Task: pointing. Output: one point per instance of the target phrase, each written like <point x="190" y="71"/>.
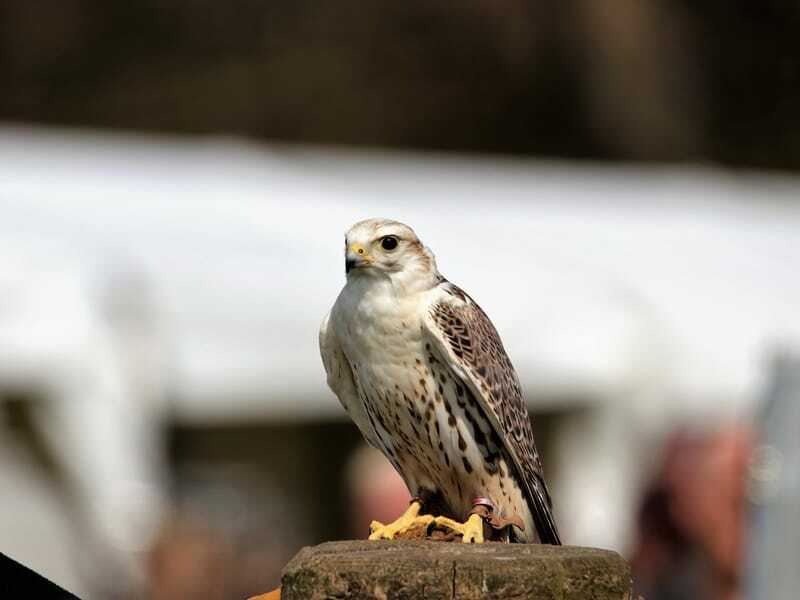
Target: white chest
<point x="382" y="338"/>
<point x="378" y="331"/>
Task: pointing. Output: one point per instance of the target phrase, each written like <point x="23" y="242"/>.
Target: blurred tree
<point x="634" y="80"/>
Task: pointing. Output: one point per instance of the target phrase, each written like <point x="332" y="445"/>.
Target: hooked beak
<point x="356" y="257"/>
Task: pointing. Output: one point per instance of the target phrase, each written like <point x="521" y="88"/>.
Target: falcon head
<point x="388" y="248"/>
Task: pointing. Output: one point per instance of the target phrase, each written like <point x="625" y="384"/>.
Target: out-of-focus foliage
<point x="633" y="79"/>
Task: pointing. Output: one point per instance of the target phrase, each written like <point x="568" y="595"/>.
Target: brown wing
<point x="464" y="334"/>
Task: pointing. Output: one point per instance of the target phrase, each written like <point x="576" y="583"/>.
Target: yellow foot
<point x="471" y="530"/>
<point x="408" y="520"/>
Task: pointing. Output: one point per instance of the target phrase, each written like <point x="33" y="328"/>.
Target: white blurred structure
<point x="81" y="341"/>
<point x="646" y="296"/>
<point x="775" y="489"/>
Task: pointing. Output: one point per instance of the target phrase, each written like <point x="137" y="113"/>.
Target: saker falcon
<point x="421" y="370"/>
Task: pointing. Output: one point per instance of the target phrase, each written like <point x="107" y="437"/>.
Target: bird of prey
<point x="421" y="370"/>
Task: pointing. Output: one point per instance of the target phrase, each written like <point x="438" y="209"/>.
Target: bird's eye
<point x="389" y="242"/>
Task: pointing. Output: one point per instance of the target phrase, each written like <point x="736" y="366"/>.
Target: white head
<point x="384" y="249"/>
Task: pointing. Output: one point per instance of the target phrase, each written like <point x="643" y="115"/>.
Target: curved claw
<point x="471" y="531"/>
<point x="408" y="520"/>
<point x="376" y="530"/>
<point x="379" y="531"/>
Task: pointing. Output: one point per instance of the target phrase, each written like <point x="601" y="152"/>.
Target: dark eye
<point x="389" y="242"/>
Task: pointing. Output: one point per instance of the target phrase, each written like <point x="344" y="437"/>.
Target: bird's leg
<point x="409" y="519"/>
<point x="472" y="529"/>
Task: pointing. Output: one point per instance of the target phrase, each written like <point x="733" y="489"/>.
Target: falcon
<point x="422" y="372"/>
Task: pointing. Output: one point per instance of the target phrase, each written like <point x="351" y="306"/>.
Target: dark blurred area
<point x="715" y="82"/>
<point x="175" y="176"/>
<point x="691" y="520"/>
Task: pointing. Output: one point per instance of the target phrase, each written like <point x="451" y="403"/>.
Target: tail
<point x="542" y="511"/>
<point x="546" y="528"/>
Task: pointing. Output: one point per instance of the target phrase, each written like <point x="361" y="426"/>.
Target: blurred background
<point x="175" y="180"/>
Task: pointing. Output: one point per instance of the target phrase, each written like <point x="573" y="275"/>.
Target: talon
<point x="375" y="527"/>
<point x="408" y="520"/>
<point x="471" y="531"/>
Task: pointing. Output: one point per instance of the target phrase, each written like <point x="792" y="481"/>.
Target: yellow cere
<point x="361" y="251"/>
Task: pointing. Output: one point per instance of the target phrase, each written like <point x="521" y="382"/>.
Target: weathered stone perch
<point x="417" y="570"/>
